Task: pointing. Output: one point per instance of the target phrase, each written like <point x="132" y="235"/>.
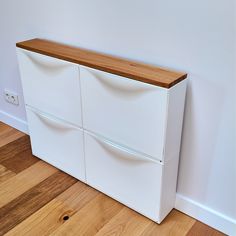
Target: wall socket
<point x="11" y="97"/>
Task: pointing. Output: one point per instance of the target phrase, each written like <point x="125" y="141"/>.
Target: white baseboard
<point x="14" y="122"/>
<point x="206" y="215"/>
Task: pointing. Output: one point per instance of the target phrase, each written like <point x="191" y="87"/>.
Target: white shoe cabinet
<point x="111" y="123"/>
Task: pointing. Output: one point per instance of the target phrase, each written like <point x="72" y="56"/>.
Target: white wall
<point x="192" y="36"/>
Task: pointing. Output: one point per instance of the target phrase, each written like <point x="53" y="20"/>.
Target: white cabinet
<point x="117" y="134"/>
<point x="51" y="85"/>
<point x="57" y="142"/>
<point x="126" y="111"/>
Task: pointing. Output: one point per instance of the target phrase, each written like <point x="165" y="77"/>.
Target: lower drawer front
<point x="128" y="177"/>
<point x="57" y="143"/>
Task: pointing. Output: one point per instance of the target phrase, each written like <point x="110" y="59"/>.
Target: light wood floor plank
<point x="77" y="196"/>
<point x="176" y="224"/>
<point x="126" y="223"/>
<point x="5" y="174"/>
<point x="91" y="218"/>
<point x="25" y="180"/>
<point x="3" y="127"/>
<point x="50" y="217"/>
<point x="8" y="134"/>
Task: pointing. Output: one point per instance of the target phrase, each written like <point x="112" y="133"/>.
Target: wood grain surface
<point x="127" y="68"/>
<point x="38" y="199"/>
<point x="8" y="134"/>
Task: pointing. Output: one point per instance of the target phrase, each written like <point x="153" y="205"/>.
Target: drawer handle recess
<point x="119" y="86"/>
<point x="53" y="123"/>
<point x="121" y="151"/>
<point x="48" y="63"/>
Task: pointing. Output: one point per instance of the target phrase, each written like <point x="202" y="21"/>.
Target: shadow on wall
<point x="200" y="148"/>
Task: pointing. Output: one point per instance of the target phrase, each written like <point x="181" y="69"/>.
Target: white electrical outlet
<point x="11" y="97"/>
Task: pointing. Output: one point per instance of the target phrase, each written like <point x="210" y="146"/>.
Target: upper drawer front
<point x="51" y="85"/>
<point x="128" y="112"/>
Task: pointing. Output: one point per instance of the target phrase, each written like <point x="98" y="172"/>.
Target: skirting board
<point x="206" y="215"/>
<point x="14" y="122"/>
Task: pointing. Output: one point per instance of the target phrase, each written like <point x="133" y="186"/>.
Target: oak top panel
<point x="127" y="68"/>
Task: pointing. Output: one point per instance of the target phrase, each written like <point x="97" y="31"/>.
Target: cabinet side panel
<point x="172" y="147"/>
<point x="168" y="186"/>
<point x="175" y="113"/>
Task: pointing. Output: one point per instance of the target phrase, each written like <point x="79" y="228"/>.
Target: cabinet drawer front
<point x="128" y="112"/>
<point x="130" y="179"/>
<point x="57" y="142"/>
<point x="51" y="85"/>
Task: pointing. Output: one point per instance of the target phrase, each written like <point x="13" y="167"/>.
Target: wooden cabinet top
<point x="127" y="68"/>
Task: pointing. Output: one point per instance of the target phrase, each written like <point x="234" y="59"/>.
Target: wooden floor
<point x="38" y="199"/>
